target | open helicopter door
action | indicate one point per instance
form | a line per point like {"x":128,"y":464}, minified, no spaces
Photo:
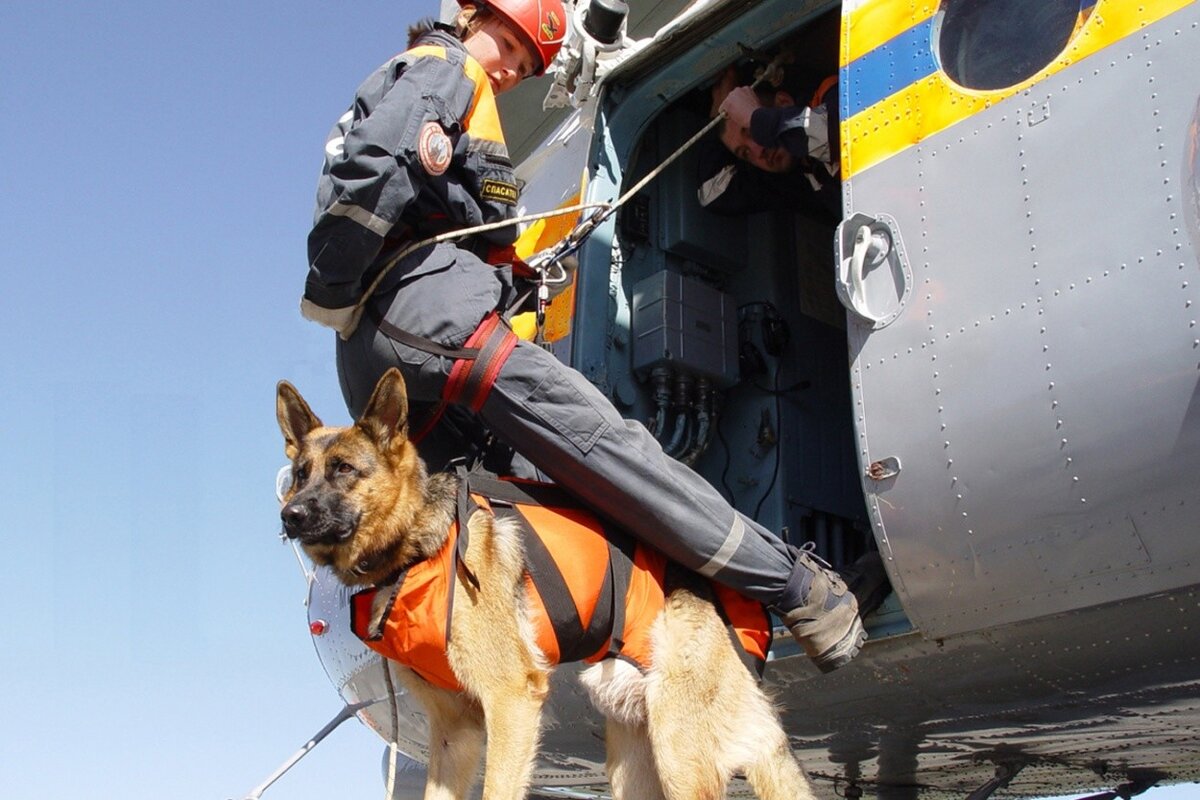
{"x":1001,"y":300}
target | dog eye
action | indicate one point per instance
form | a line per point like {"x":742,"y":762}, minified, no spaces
{"x":344,"y":469}
{"x":300,"y":475}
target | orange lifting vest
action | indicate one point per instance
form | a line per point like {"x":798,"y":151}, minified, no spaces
{"x":574,"y":571}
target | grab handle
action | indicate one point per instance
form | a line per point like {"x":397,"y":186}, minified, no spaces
{"x":871,"y":261}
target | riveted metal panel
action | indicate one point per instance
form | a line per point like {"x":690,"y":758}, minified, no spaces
{"x":1036,"y":385}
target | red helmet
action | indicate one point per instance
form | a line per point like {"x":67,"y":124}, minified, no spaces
{"x":541,"y":23}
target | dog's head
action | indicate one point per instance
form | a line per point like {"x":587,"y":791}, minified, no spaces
{"x":355,"y":490}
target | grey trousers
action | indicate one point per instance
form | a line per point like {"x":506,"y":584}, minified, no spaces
{"x":562,"y":424}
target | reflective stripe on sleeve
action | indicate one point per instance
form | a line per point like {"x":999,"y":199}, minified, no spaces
{"x":377,"y":225}
{"x":721,"y":559}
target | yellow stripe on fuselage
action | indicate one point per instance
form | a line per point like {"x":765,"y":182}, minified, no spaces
{"x":934,"y":103}
{"x":874,"y":23}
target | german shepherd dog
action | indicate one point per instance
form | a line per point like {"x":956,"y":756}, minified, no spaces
{"x":362,"y":504}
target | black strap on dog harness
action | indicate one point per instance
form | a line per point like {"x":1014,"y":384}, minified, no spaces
{"x":575,"y":642}
{"x":476,"y":364}
{"x":465,"y":508}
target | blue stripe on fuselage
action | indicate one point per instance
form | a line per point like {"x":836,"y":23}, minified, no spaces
{"x":887,"y":69}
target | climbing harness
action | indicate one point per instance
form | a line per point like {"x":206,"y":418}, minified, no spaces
{"x":476,"y":364}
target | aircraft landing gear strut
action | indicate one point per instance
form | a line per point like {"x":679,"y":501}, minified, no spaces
{"x":1005,"y":772}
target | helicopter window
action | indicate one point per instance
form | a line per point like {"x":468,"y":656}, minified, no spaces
{"x":994,"y":44}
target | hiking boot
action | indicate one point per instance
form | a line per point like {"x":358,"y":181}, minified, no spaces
{"x":826,"y":623}
{"x":868,"y":581}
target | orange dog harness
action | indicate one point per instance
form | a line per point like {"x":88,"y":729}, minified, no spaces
{"x":575,"y":571}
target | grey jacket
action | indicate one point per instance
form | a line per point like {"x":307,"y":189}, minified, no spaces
{"x":419,"y":152}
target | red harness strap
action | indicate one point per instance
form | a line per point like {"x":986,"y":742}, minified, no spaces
{"x":476,"y":363}
{"x":471,"y":379}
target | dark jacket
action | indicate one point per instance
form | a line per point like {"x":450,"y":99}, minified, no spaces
{"x":419,"y":152}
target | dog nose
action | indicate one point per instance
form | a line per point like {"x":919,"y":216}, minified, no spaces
{"x":294,"y":515}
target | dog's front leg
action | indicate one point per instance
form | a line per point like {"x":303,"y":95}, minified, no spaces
{"x":456,"y":737}
{"x":513,"y":721}
{"x":493,"y":655}
{"x":455,"y":745}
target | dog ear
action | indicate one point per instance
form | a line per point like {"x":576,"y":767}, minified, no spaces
{"x":386,"y":416}
{"x":296,"y":419}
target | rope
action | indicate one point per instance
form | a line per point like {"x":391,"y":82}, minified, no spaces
{"x":772,"y":72}
{"x":463,"y":232}
{"x":572,"y":241}
{"x":393,"y":748}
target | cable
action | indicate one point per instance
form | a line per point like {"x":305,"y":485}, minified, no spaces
{"x":728,"y":458}
{"x":778,"y":444}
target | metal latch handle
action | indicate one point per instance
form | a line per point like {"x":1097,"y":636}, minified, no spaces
{"x":871,"y":261}
{"x":874,"y":245}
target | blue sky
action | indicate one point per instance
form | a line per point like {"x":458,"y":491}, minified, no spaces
{"x":158,"y":180}
{"x":157,"y":186}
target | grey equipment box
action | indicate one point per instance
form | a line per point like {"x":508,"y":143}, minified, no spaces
{"x":684,"y":324}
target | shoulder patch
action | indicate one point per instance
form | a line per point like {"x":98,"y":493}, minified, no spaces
{"x":499,"y":192}
{"x":433,"y":148}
